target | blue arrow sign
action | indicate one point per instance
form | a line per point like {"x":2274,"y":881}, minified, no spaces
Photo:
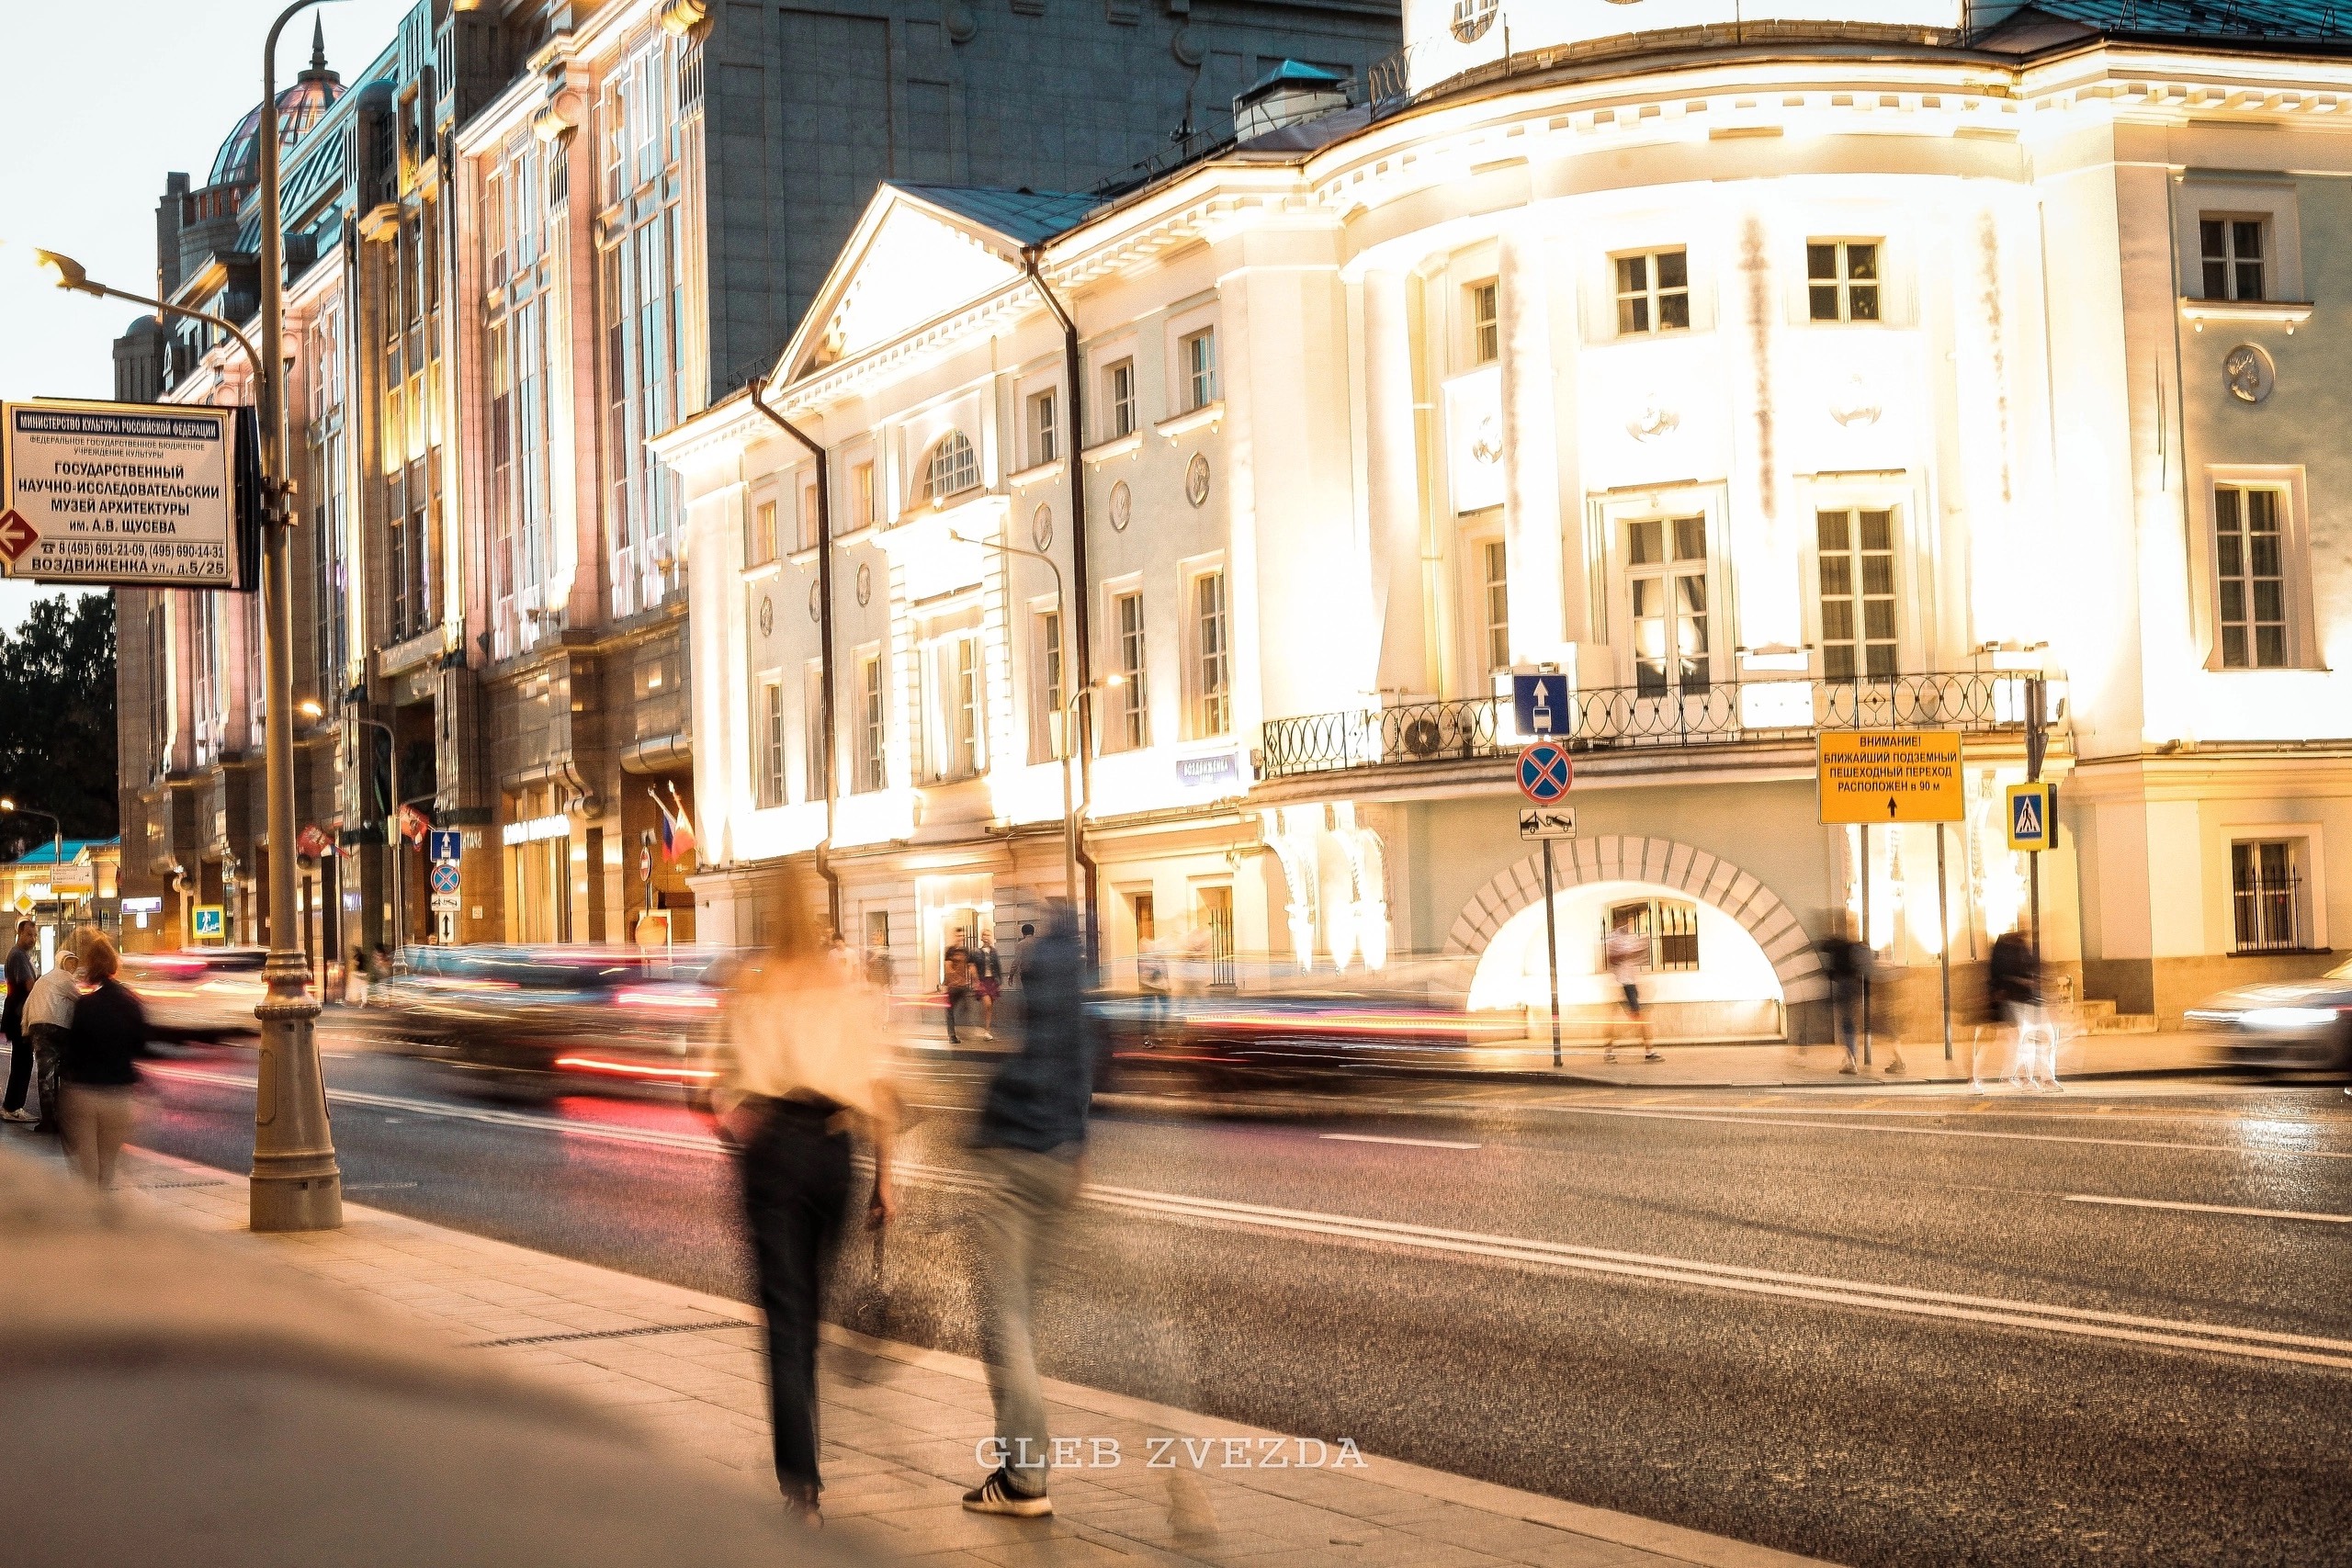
{"x":442,"y":844}
{"x":1540,"y":703}
{"x":1543,"y":773}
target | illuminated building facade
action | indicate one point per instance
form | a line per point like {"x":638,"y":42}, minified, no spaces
{"x":1763,"y":376}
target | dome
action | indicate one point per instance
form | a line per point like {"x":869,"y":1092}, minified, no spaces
{"x":299,"y":107}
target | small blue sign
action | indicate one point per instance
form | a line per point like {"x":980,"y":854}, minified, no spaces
{"x":1220,"y":773}
{"x":1542,"y":704}
{"x":1543,"y":773}
{"x":442,"y":844}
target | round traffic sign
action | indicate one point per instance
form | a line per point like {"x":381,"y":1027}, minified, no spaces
{"x":1543,"y":772}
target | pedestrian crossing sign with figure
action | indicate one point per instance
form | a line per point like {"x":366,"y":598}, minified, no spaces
{"x":2034,"y":816}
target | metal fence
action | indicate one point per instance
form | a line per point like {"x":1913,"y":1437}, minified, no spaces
{"x":2268,"y":913}
{"x":1633,"y":717}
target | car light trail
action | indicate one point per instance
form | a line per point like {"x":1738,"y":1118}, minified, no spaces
{"x":631,"y":1069}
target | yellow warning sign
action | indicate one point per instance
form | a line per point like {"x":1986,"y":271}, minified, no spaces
{"x":1891,"y":775}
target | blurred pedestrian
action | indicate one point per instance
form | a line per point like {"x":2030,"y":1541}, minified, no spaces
{"x":988,"y":979}
{"x":354,"y":980}
{"x":2015,"y":982}
{"x":1029,"y":1142}
{"x":22,"y":970}
{"x":1627,"y":953}
{"x":48,"y":1013}
{"x":1847,"y":962}
{"x":1151,"y":981}
{"x":956,"y":976}
{"x":100,"y":1065}
{"x":810,"y":1067}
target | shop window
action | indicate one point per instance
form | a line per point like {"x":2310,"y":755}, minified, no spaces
{"x":1670,"y":926}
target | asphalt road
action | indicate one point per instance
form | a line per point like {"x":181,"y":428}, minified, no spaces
{"x":1888,"y":1327}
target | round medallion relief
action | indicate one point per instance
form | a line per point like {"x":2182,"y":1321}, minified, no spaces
{"x":1122,"y":505}
{"x":1487,"y":441}
{"x":865,"y":583}
{"x":1196,"y":479}
{"x":767,"y":613}
{"x":2247,"y":372}
{"x":1041,"y":528}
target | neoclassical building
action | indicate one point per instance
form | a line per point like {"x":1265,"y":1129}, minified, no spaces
{"x":1764,"y":375}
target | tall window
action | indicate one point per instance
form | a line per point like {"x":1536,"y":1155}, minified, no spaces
{"x":812,"y":728}
{"x":1050,"y":686}
{"x":2266,"y":896}
{"x":871,"y":719}
{"x":771,"y":779}
{"x":1667,"y":565}
{"x":1197,"y":354}
{"x":2250,"y":556}
{"x":1211,"y":658}
{"x":969,"y":722}
{"x":1127,"y":622}
{"x":1841,"y":279}
{"x":1494,"y":603}
{"x":1654,"y":292}
{"x":808,"y":537}
{"x":2235,"y":257}
{"x":861,"y":489}
{"x":1485,"y":322}
{"x":954,"y":468}
{"x":1045,"y":432}
{"x":761,"y":547}
{"x":1119,"y":399}
{"x":1857,"y":577}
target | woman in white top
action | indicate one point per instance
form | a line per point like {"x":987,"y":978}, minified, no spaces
{"x":808,"y":1067}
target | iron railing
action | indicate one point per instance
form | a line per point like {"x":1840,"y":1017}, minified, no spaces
{"x":2268,"y":911}
{"x":1633,"y":717}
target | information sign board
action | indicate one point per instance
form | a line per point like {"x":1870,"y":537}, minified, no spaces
{"x":1891,"y":775}
{"x":129,"y":495}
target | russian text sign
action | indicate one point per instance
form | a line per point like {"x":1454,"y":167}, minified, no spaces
{"x":1891,"y":775}
{"x":131,"y":495}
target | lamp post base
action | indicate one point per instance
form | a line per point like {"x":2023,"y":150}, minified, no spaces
{"x":297,"y":1185}
{"x":296,"y":1204}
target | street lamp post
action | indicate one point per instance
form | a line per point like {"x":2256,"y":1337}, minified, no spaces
{"x":57,"y":863}
{"x":310,"y":709}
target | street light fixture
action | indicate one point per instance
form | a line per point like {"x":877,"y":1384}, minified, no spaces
{"x":57,"y":867}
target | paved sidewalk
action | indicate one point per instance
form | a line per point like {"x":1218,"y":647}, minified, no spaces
{"x":900,"y":1425}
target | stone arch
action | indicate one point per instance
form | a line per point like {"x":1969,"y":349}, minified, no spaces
{"x":1621,"y":858}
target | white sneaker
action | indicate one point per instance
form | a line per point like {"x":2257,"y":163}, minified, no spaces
{"x":16,"y":1116}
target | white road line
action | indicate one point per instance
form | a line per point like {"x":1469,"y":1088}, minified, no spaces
{"x":1411,"y":1143}
{"x":2211,"y":1209}
{"x":1769,"y":1121}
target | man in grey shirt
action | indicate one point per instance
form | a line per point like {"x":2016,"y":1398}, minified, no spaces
{"x":22,"y":971}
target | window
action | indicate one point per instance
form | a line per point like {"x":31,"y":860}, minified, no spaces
{"x":1857,"y":577}
{"x":1049,"y":688}
{"x":761,"y":547}
{"x":954,"y":706}
{"x":1197,"y":354}
{"x":2250,"y":557}
{"x":969,"y":724}
{"x":871,"y":719}
{"x":812,"y":728}
{"x":1654,"y":292}
{"x":2234,"y":256}
{"x":1127,"y":622}
{"x":1119,"y":399}
{"x":1667,"y":564}
{"x":954,"y":468}
{"x":769,"y":783}
{"x":1211,"y":658}
{"x":2266,"y":895}
{"x":861,"y":490}
{"x":1494,"y":603}
{"x":1670,"y":925}
{"x":808,"y":539}
{"x":1044,"y":434}
{"x":1485,"y":323}
{"x":1841,"y":279}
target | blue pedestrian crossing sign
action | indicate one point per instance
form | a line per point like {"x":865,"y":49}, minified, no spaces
{"x":1541,"y":704}
{"x":1543,"y":773}
{"x":2034,"y":816}
{"x":442,"y":844}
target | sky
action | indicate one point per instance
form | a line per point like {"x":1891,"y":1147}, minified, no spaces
{"x":108,"y":96}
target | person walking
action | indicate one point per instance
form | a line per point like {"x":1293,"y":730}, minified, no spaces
{"x":48,"y":1013}
{"x":988,"y":979}
{"x":956,"y":974}
{"x":1627,"y":952}
{"x":809,"y":1067}
{"x":1847,"y":962}
{"x":2016,"y":985}
{"x":99,"y":1067}
{"x":22,"y":969}
{"x":1029,"y":1142}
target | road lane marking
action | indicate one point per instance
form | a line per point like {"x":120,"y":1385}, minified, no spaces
{"x":1412,"y":1143}
{"x":1766,"y":1120}
{"x":2213,"y":1338}
{"x":2211,"y":1209}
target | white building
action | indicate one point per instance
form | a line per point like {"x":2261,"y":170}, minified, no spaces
{"x":1765,"y":378}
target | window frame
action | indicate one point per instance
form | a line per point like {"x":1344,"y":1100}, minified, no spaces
{"x":1123,"y":415}
{"x":2230,"y":262}
{"x":1651,"y":299}
{"x":2305,"y":853}
{"x":873,"y":722}
{"x":1196,"y":367}
{"x":1481,"y":312}
{"x":1843,"y":281}
{"x":951,"y":440}
{"x":1852,"y":509}
{"x":1209,"y":659}
{"x":2302,"y":652}
{"x":1042,"y":420}
{"x":1048,"y":681}
{"x":769,"y":782}
{"x":759,"y":538}
{"x":1712,"y":612}
{"x":1128,"y":624}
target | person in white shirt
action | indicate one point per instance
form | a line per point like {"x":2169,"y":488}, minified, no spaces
{"x":48,"y":1013}
{"x":1627,"y":952}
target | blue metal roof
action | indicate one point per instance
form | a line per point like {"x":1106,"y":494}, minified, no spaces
{"x":1024,"y":217}
{"x":46,"y":853}
{"x":2276,"y":19}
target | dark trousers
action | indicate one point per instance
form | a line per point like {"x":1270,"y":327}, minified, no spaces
{"x":49,"y":1052}
{"x":957,"y":997}
{"x":20,"y":1069}
{"x":796,"y":1197}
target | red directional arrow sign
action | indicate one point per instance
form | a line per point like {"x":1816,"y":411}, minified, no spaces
{"x":16,"y":536}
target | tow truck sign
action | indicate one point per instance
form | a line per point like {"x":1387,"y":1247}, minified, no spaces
{"x":132,"y":495}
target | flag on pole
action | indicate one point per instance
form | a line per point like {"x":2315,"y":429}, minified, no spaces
{"x":414,"y":824}
{"x":682,"y":829}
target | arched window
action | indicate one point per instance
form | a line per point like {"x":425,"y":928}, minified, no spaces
{"x":954,"y":468}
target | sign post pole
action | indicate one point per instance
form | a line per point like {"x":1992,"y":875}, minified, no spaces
{"x":1544,"y":772}
{"x":1866,"y":943}
{"x":1552,"y":952}
{"x":1943,"y":936}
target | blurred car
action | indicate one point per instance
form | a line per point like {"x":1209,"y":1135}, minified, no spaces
{"x":199,"y":994}
{"x":2297,"y":1025}
{"x":1236,"y":1037}
{"x":537,"y":1022}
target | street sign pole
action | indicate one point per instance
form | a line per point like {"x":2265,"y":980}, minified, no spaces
{"x":1544,"y":772}
{"x":1866,"y":943}
{"x":2036,"y":740}
{"x":1943,"y":936}
{"x":1551,"y":951}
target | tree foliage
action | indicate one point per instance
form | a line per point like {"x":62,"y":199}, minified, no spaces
{"x":56,"y":720}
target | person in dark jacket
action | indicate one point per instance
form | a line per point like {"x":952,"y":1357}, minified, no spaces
{"x":22,"y":970}
{"x":99,"y":1066}
{"x":1030,"y":1135}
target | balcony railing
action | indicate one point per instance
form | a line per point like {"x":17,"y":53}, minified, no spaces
{"x":1631,"y":718}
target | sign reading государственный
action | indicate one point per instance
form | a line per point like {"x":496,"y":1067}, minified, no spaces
{"x":1891,"y":775}
{"x":119,"y":494}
